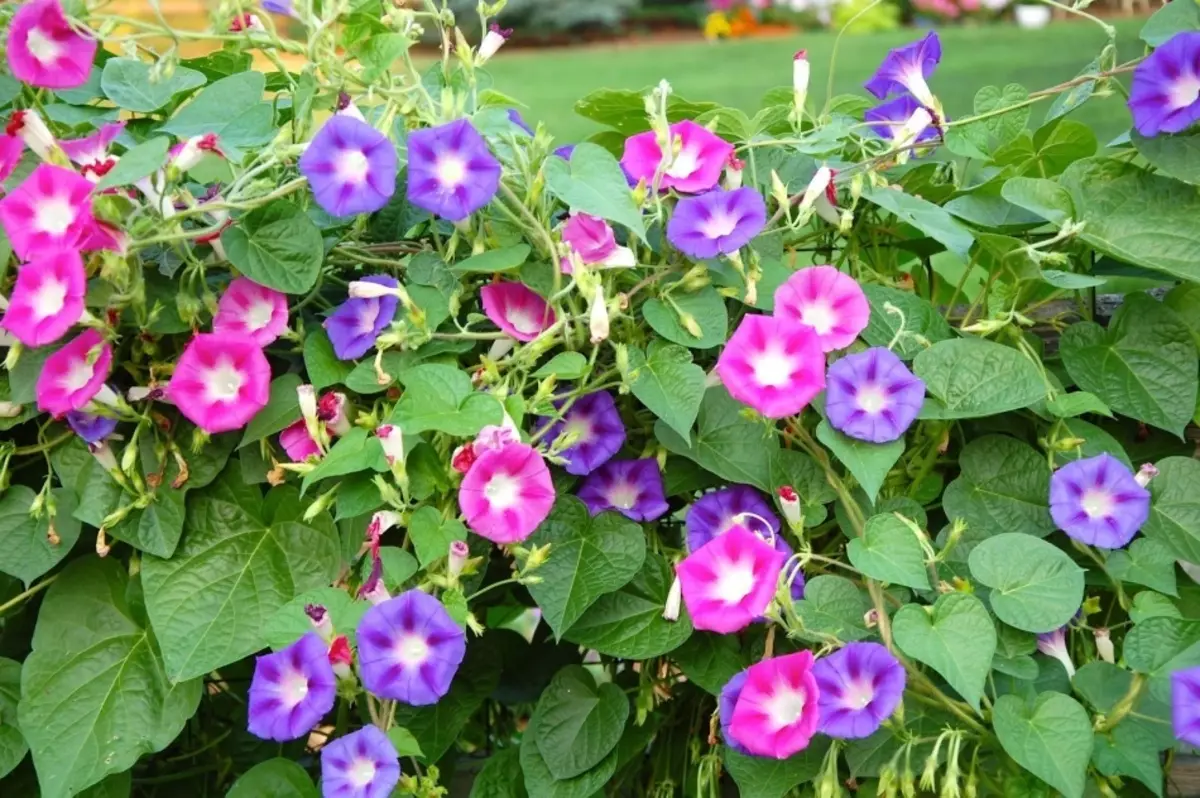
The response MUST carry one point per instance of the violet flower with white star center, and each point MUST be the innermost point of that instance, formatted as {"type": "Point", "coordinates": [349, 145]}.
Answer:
{"type": "Point", "coordinates": [872, 396]}
{"type": "Point", "coordinates": [717, 222]}
{"type": "Point", "coordinates": [363, 764]}
{"type": "Point", "coordinates": [633, 488]}
{"type": "Point", "coordinates": [1098, 501]}
{"type": "Point", "coordinates": [887, 120]}
{"type": "Point", "coordinates": [356, 323]}
{"type": "Point", "coordinates": [716, 513]}
{"type": "Point", "coordinates": [451, 171]}
{"type": "Point", "coordinates": [351, 167]}
{"type": "Point", "coordinates": [291, 690]}
{"type": "Point", "coordinates": [597, 430]}
{"type": "Point", "coordinates": [1165, 93]}
{"type": "Point", "coordinates": [409, 649]}
{"type": "Point", "coordinates": [859, 687]}
{"type": "Point", "coordinates": [907, 68]}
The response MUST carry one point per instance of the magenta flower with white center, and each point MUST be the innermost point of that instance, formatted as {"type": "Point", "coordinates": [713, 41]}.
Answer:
{"type": "Point", "coordinates": [291, 690]}
{"type": "Point", "coordinates": [451, 171]}
{"type": "Point", "coordinates": [351, 167]}
{"type": "Point", "coordinates": [777, 710]}
{"type": "Point", "coordinates": [516, 309]}
{"type": "Point", "coordinates": [1098, 501]}
{"type": "Point", "coordinates": [102, 236]}
{"type": "Point", "coordinates": [409, 649]}
{"type": "Point", "coordinates": [1165, 94]}
{"type": "Point", "coordinates": [356, 323]}
{"type": "Point", "coordinates": [221, 381]}
{"type": "Point", "coordinates": [249, 309]}
{"type": "Point", "coordinates": [73, 375]}
{"type": "Point", "coordinates": [47, 213]}
{"type": "Point", "coordinates": [634, 488]}
{"type": "Point", "coordinates": [729, 581]}
{"type": "Point", "coordinates": [593, 241]}
{"type": "Point", "coordinates": [859, 687]}
{"type": "Point", "coordinates": [47, 298]}
{"type": "Point", "coordinates": [1054, 644]}
{"type": "Point", "coordinates": [596, 427]}
{"type": "Point", "coordinates": [93, 150]}
{"type": "Point", "coordinates": [506, 493]}
{"type": "Point", "coordinates": [45, 51]}
{"type": "Point", "coordinates": [700, 157]}
{"type": "Point", "coordinates": [717, 223]}
{"type": "Point", "coordinates": [363, 764]}
{"type": "Point", "coordinates": [907, 68]}
{"type": "Point", "coordinates": [1185, 705]}
{"type": "Point", "coordinates": [298, 443]}
{"type": "Point", "coordinates": [774, 365]}
{"type": "Point", "coordinates": [872, 396]}
{"type": "Point", "coordinates": [828, 301]}
{"type": "Point", "coordinates": [11, 149]}
{"type": "Point", "coordinates": [718, 512]}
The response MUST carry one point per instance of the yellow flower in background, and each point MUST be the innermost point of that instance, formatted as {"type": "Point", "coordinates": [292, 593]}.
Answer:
{"type": "Point", "coordinates": [716, 26]}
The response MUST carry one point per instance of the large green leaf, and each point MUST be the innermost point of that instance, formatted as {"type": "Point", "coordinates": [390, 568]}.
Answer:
{"type": "Point", "coordinates": [128, 83]}
{"type": "Point", "coordinates": [1160, 645]}
{"type": "Point", "coordinates": [28, 551]}
{"type": "Point", "coordinates": [1175, 156]}
{"type": "Point", "coordinates": [283, 409]}
{"type": "Point", "coordinates": [834, 606]}
{"type": "Point", "coordinates": [1169, 20]}
{"type": "Point", "coordinates": [540, 782]}
{"type": "Point", "coordinates": [1175, 507]}
{"type": "Point", "coordinates": [1003, 126]}
{"type": "Point", "coordinates": [1050, 737]}
{"type": "Point", "coordinates": [233, 108]}
{"type": "Point", "coordinates": [578, 723]}
{"type": "Point", "coordinates": [890, 552]}
{"type": "Point", "coordinates": [589, 558]}
{"type": "Point", "coordinates": [932, 220]}
{"type": "Point", "coordinates": [431, 535]}
{"type": "Point", "coordinates": [275, 778]}
{"type": "Point", "coordinates": [141, 161]}
{"type": "Point", "coordinates": [762, 777]}
{"type": "Point", "coordinates": [625, 110]}
{"type": "Point", "coordinates": [1142, 366]}
{"type": "Point", "coordinates": [1004, 486]}
{"type": "Point", "coordinates": [1035, 585]}
{"type": "Point", "coordinates": [12, 744]}
{"type": "Point", "coordinates": [501, 776]}
{"type": "Point", "coordinates": [356, 451]}
{"type": "Point", "coordinates": [594, 183]}
{"type": "Point", "coordinates": [1148, 562]}
{"type": "Point", "coordinates": [955, 637]}
{"type": "Point", "coordinates": [973, 377]}
{"type": "Point", "coordinates": [323, 366]}
{"type": "Point", "coordinates": [726, 442]}
{"type": "Point", "coordinates": [94, 691]}
{"type": "Point", "coordinates": [441, 398]}
{"type": "Point", "coordinates": [710, 660]}
{"type": "Point", "coordinates": [668, 383]}
{"type": "Point", "coordinates": [706, 307]}
{"type": "Point", "coordinates": [917, 315]}
{"type": "Point", "coordinates": [210, 603]}
{"type": "Point", "coordinates": [278, 246]}
{"type": "Point", "coordinates": [868, 462]}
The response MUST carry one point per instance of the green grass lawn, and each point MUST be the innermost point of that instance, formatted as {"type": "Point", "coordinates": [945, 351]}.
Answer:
{"type": "Point", "coordinates": [738, 73]}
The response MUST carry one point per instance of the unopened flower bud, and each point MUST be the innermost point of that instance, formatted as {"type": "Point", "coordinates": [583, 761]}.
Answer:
{"type": "Point", "coordinates": [493, 40]}
{"type": "Point", "coordinates": [674, 599]}
{"type": "Point", "coordinates": [392, 440]}
{"type": "Point", "coordinates": [800, 78]}
{"type": "Point", "coordinates": [734, 168]}
{"type": "Point", "coordinates": [373, 590]}
{"type": "Point", "coordinates": [598, 317]}
{"type": "Point", "coordinates": [779, 190]}
{"type": "Point", "coordinates": [689, 323]}
{"type": "Point", "coordinates": [1104, 645]}
{"type": "Point", "coordinates": [194, 149]}
{"type": "Point", "coordinates": [104, 456]}
{"type": "Point", "coordinates": [871, 618]}
{"type": "Point", "coordinates": [323, 503]}
{"type": "Point", "coordinates": [365, 289]}
{"type": "Point", "coordinates": [340, 657]}
{"type": "Point", "coordinates": [501, 347]}
{"type": "Point", "coordinates": [463, 458]}
{"type": "Point", "coordinates": [307, 396]}
{"type": "Point", "coordinates": [816, 188]}
{"type": "Point", "coordinates": [1146, 473]}
{"type": "Point", "coordinates": [1054, 644]}
{"type": "Point", "coordinates": [102, 545]}
{"type": "Point", "coordinates": [32, 130]}
{"type": "Point", "coordinates": [10, 409]}
{"type": "Point", "coordinates": [321, 622]}
{"type": "Point", "coordinates": [789, 502]}
{"type": "Point", "coordinates": [457, 560]}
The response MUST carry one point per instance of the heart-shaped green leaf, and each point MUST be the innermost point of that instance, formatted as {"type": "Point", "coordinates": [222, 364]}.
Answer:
{"type": "Point", "coordinates": [1004, 486]}
{"type": "Point", "coordinates": [28, 549]}
{"type": "Point", "coordinates": [668, 383]}
{"type": "Point", "coordinates": [1175, 508]}
{"type": "Point", "coordinates": [955, 637]}
{"type": "Point", "coordinates": [577, 723]}
{"type": "Point", "coordinates": [890, 552]}
{"type": "Point", "coordinates": [1050, 737]}
{"type": "Point", "coordinates": [1035, 585]}
{"type": "Point", "coordinates": [868, 462]}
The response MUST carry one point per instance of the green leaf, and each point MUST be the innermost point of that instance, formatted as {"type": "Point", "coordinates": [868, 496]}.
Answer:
{"type": "Point", "coordinates": [1175, 507]}
{"type": "Point", "coordinates": [282, 409]}
{"type": "Point", "coordinates": [710, 660]}
{"type": "Point", "coordinates": [889, 552]}
{"type": "Point", "coordinates": [441, 398]}
{"type": "Point", "coordinates": [275, 778]}
{"type": "Point", "coordinates": [323, 366]}
{"type": "Point", "coordinates": [726, 443]}
{"type": "Point", "coordinates": [629, 623]}
{"type": "Point", "coordinates": [593, 183]}
{"type": "Point", "coordinates": [1129, 750]}
{"type": "Point", "coordinates": [12, 744]}
{"type": "Point", "coordinates": [1035, 585]}
{"type": "Point", "coordinates": [501, 776]}
{"type": "Point", "coordinates": [141, 161]}
{"type": "Point", "coordinates": [28, 552]}
{"type": "Point", "coordinates": [930, 219]}
{"type": "Point", "coordinates": [432, 535]}
{"type": "Point", "coordinates": [1076, 96]}
{"type": "Point", "coordinates": [233, 108]}
{"type": "Point", "coordinates": [357, 450]}
{"type": "Point", "coordinates": [233, 572]}
{"type": "Point", "coordinates": [706, 306]}
{"type": "Point", "coordinates": [1004, 486]}
{"type": "Point", "coordinates": [1044, 197]}
{"type": "Point", "coordinates": [1070, 405]}
{"type": "Point", "coordinates": [834, 606]}
{"type": "Point", "coordinates": [496, 261]}
{"type": "Point", "coordinates": [564, 365]}
{"type": "Point", "coordinates": [577, 723]}
{"type": "Point", "coordinates": [94, 692]}
{"type": "Point", "coordinates": [278, 246]}
{"type": "Point", "coordinates": [869, 463]}
{"type": "Point", "coordinates": [955, 637]}
{"type": "Point", "coordinates": [1050, 737]}
{"type": "Point", "coordinates": [1169, 20]}
{"type": "Point", "coordinates": [920, 318]}
{"type": "Point", "coordinates": [1147, 562]}
{"type": "Point", "coordinates": [398, 567]}
{"type": "Point", "coordinates": [1175, 156]}
{"type": "Point", "coordinates": [762, 777]}
{"type": "Point", "coordinates": [1070, 280]}
{"type": "Point", "coordinates": [128, 83]}
{"type": "Point", "coordinates": [540, 782]}
{"type": "Point", "coordinates": [973, 377]}
{"type": "Point", "coordinates": [119, 785]}
{"type": "Point", "coordinates": [1006, 126]}
{"type": "Point", "coordinates": [1160, 645]}
{"type": "Point", "coordinates": [590, 557]}
{"type": "Point", "coordinates": [668, 383]}
{"type": "Point", "coordinates": [379, 52]}
{"type": "Point", "coordinates": [625, 110]}
{"type": "Point", "coordinates": [404, 742]}
{"type": "Point", "coordinates": [290, 623]}
{"type": "Point", "coordinates": [1142, 366]}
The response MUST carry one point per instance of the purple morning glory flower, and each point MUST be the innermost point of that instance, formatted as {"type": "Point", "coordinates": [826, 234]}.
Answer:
{"type": "Point", "coordinates": [725, 705]}
{"type": "Point", "coordinates": [91, 428]}
{"type": "Point", "coordinates": [291, 690]}
{"type": "Point", "coordinates": [859, 686]}
{"type": "Point", "coordinates": [717, 222]}
{"type": "Point", "coordinates": [409, 649]}
{"type": "Point", "coordinates": [717, 512]}
{"type": "Point", "coordinates": [451, 171]}
{"type": "Point", "coordinates": [565, 152]}
{"type": "Point", "coordinates": [1098, 501]}
{"type": "Point", "coordinates": [1165, 94]}
{"type": "Point", "coordinates": [872, 396]}
{"type": "Point", "coordinates": [362, 764]}
{"type": "Point", "coordinates": [356, 323]}
{"type": "Point", "coordinates": [906, 69]}
{"type": "Point", "coordinates": [279, 7]}
{"type": "Point", "coordinates": [889, 117]}
{"type": "Point", "coordinates": [351, 167]}
{"type": "Point", "coordinates": [1054, 644]}
{"type": "Point", "coordinates": [598, 430]}
{"type": "Point", "coordinates": [1185, 705]}
{"type": "Point", "coordinates": [515, 117]}
{"type": "Point", "coordinates": [633, 488]}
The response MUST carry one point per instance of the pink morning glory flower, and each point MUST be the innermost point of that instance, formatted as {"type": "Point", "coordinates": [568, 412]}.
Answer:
{"type": "Point", "coordinates": [718, 222]}
{"type": "Point", "coordinates": [291, 690]}
{"type": "Point", "coordinates": [1165, 94]}
{"type": "Point", "coordinates": [516, 309]}
{"type": "Point", "coordinates": [247, 308]}
{"type": "Point", "coordinates": [597, 430]}
{"type": "Point", "coordinates": [220, 381]}
{"type": "Point", "coordinates": [1098, 501]}
{"type": "Point", "coordinates": [298, 443]}
{"type": "Point", "coordinates": [907, 68]}
{"type": "Point", "coordinates": [47, 298]}
{"type": "Point", "coordinates": [363, 764]}
{"type": "Point", "coordinates": [451, 171]}
{"type": "Point", "coordinates": [634, 488]}
{"type": "Point", "coordinates": [777, 710]}
{"type": "Point", "coordinates": [45, 51]}
{"type": "Point", "coordinates": [700, 157]}
{"type": "Point", "coordinates": [11, 149]}
{"type": "Point", "coordinates": [506, 493]}
{"type": "Point", "coordinates": [859, 687]}
{"type": "Point", "coordinates": [409, 649]}
{"type": "Point", "coordinates": [728, 583]}
{"type": "Point", "coordinates": [92, 151]}
{"type": "Point", "coordinates": [774, 365]}
{"type": "Point", "coordinates": [1185, 705]}
{"type": "Point", "coordinates": [75, 374]}
{"type": "Point", "coordinates": [593, 240]}
{"type": "Point", "coordinates": [47, 213]}
{"type": "Point", "coordinates": [351, 167]}
{"type": "Point", "coordinates": [872, 396]}
{"type": "Point", "coordinates": [828, 301]}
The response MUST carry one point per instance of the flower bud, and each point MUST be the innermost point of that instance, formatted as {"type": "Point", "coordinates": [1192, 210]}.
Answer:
{"type": "Point", "coordinates": [104, 456]}
{"type": "Point", "coordinates": [392, 440]}
{"type": "Point", "coordinates": [321, 622]}
{"type": "Point", "coordinates": [871, 618]}
{"type": "Point", "coordinates": [340, 657]}
{"type": "Point", "coordinates": [1054, 644]}
{"type": "Point", "coordinates": [674, 599]}
{"type": "Point", "coordinates": [463, 458]}
{"type": "Point", "coordinates": [779, 191]}
{"type": "Point", "coordinates": [373, 590]}
{"type": "Point", "coordinates": [193, 150]}
{"type": "Point", "coordinates": [789, 502]}
{"type": "Point", "coordinates": [1146, 473]}
{"type": "Point", "coordinates": [364, 289]}
{"type": "Point", "coordinates": [493, 40]}
{"type": "Point", "coordinates": [733, 172]}
{"type": "Point", "coordinates": [1104, 645]}
{"type": "Point", "coordinates": [323, 503]}
{"type": "Point", "coordinates": [102, 545]}
{"type": "Point", "coordinates": [816, 188]}
{"type": "Point", "coordinates": [32, 130]}
{"type": "Point", "coordinates": [10, 410]}
{"type": "Point", "coordinates": [501, 347]}
{"type": "Point", "coordinates": [598, 317]}
{"type": "Point", "coordinates": [459, 553]}
{"type": "Point", "coordinates": [331, 409]}
{"type": "Point", "coordinates": [800, 78]}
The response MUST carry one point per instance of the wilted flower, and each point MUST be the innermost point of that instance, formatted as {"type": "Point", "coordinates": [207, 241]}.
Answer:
{"type": "Point", "coordinates": [91, 428]}
{"type": "Point", "coordinates": [363, 764]}
{"type": "Point", "coordinates": [48, 213]}
{"type": "Point", "coordinates": [593, 240]}
{"type": "Point", "coordinates": [507, 493]}
{"type": "Point", "coordinates": [247, 308]}
{"type": "Point", "coordinates": [351, 167]}
{"type": "Point", "coordinates": [451, 171]}
{"type": "Point", "coordinates": [828, 301]}
{"type": "Point", "coordinates": [409, 649]}
{"type": "Point", "coordinates": [595, 426]}
{"type": "Point", "coordinates": [718, 512]}
{"type": "Point", "coordinates": [356, 323]}
{"type": "Point", "coordinates": [633, 488]}
{"type": "Point", "coordinates": [1165, 94]}
{"type": "Point", "coordinates": [773, 365]}
{"type": "Point", "coordinates": [889, 118]}
{"type": "Point", "coordinates": [47, 298]}
{"type": "Point", "coordinates": [1185, 705]}
{"type": "Point", "coordinates": [872, 396]}
{"type": "Point", "coordinates": [728, 582]}
{"type": "Point", "coordinates": [45, 51]}
{"type": "Point", "coordinates": [73, 375]}
{"type": "Point", "coordinates": [516, 309]}
{"type": "Point", "coordinates": [696, 165]}
{"type": "Point", "coordinates": [292, 690]}
{"type": "Point", "coordinates": [1054, 644]}
{"type": "Point", "coordinates": [1098, 501]}
{"type": "Point", "coordinates": [717, 223]}
{"type": "Point", "coordinates": [860, 686]}
{"type": "Point", "coordinates": [907, 68]}
{"type": "Point", "coordinates": [776, 711]}
{"type": "Point", "coordinates": [220, 381]}
{"type": "Point", "coordinates": [91, 152]}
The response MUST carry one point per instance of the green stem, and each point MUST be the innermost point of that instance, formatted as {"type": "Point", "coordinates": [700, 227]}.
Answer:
{"type": "Point", "coordinates": [28, 594]}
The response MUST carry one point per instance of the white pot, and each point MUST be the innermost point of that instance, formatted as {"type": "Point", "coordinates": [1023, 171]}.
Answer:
{"type": "Point", "coordinates": [1032, 16]}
